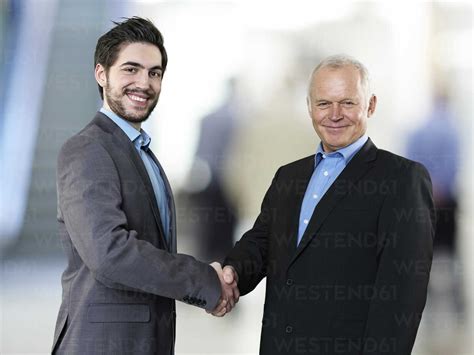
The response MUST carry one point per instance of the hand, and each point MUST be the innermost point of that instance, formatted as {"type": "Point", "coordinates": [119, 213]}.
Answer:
{"type": "Point", "coordinates": [221, 308]}
{"type": "Point", "coordinates": [231, 278]}
{"type": "Point", "coordinates": [229, 289]}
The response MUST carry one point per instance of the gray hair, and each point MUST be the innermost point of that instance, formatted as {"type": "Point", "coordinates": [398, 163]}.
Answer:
{"type": "Point", "coordinates": [341, 60]}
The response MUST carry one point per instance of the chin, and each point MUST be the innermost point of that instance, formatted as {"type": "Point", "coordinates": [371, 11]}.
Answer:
{"type": "Point", "coordinates": [138, 116]}
{"type": "Point", "coordinates": [137, 119]}
{"type": "Point", "coordinates": [336, 145]}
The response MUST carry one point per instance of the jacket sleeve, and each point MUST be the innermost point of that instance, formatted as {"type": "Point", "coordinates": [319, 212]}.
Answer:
{"type": "Point", "coordinates": [406, 232]}
{"type": "Point", "coordinates": [249, 256]}
{"type": "Point", "coordinates": [89, 202]}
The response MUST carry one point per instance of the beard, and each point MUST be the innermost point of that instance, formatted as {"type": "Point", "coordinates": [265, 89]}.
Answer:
{"type": "Point", "coordinates": [117, 105]}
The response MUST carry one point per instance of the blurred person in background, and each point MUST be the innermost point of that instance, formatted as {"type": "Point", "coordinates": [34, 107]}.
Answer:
{"type": "Point", "coordinates": [435, 144]}
{"type": "Point", "coordinates": [213, 214]}
{"type": "Point", "coordinates": [117, 217]}
{"type": "Point", "coordinates": [344, 237]}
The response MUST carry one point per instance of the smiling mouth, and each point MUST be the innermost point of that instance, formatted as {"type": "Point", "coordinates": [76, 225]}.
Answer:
{"type": "Point", "coordinates": [335, 128]}
{"type": "Point", "coordinates": [137, 100]}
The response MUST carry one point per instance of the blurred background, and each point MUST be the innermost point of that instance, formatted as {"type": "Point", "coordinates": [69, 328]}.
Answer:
{"type": "Point", "coordinates": [232, 110]}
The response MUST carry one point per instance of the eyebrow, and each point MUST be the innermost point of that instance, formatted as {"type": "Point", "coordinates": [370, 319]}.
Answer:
{"type": "Point", "coordinates": [320, 101]}
{"type": "Point", "coordinates": [135, 64]}
{"type": "Point", "coordinates": [327, 100]}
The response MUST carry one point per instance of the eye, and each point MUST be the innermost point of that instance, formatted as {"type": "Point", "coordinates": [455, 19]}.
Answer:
{"type": "Point", "coordinates": [348, 103]}
{"type": "Point", "coordinates": [322, 104]}
{"type": "Point", "coordinates": [156, 74]}
{"type": "Point", "coordinates": [130, 69]}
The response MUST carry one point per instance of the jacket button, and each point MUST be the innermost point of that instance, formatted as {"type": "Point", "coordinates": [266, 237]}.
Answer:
{"type": "Point", "coordinates": [289, 282]}
{"type": "Point", "coordinates": [204, 303]}
{"type": "Point", "coordinates": [289, 329]}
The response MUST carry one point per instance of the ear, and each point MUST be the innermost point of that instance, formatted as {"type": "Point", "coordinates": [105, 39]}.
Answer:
{"type": "Point", "coordinates": [372, 105]}
{"type": "Point", "coordinates": [308, 104]}
{"type": "Point", "coordinates": [100, 75]}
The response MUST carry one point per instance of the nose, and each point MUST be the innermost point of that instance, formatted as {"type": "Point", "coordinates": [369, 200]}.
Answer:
{"type": "Point", "coordinates": [336, 113]}
{"type": "Point", "coordinates": [143, 80]}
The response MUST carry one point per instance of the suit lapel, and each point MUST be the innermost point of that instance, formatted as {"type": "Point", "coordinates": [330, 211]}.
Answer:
{"type": "Point", "coordinates": [357, 167]}
{"type": "Point", "coordinates": [123, 143]}
{"type": "Point", "coordinates": [172, 242]}
{"type": "Point", "coordinates": [303, 176]}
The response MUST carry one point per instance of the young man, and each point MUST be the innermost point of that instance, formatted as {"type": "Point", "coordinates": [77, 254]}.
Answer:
{"type": "Point", "coordinates": [117, 218]}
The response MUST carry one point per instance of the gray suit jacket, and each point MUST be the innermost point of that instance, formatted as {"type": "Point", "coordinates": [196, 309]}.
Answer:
{"type": "Point", "coordinates": [122, 276]}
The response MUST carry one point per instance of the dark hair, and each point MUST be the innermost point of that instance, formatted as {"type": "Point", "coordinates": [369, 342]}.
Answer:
{"type": "Point", "coordinates": [131, 30]}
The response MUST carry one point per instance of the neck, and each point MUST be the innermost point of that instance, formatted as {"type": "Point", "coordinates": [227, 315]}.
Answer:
{"type": "Point", "coordinates": [136, 125]}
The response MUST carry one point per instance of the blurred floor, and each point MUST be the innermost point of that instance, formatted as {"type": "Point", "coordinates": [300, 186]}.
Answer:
{"type": "Point", "coordinates": [31, 296]}
{"type": "Point", "coordinates": [30, 299]}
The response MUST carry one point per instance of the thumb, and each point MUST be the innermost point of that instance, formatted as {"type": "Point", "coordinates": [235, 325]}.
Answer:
{"type": "Point", "coordinates": [228, 275]}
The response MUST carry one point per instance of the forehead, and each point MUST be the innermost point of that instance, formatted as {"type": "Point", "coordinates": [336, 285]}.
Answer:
{"type": "Point", "coordinates": [145, 54]}
{"type": "Point", "coordinates": [336, 79]}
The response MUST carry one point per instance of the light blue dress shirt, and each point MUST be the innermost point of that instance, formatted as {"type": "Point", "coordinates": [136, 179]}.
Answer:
{"type": "Point", "coordinates": [327, 167]}
{"type": "Point", "coordinates": [141, 140]}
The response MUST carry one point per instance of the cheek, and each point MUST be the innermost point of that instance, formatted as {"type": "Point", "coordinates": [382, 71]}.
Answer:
{"type": "Point", "coordinates": [360, 123]}
{"type": "Point", "coordinates": [357, 117]}
{"type": "Point", "coordinates": [157, 87]}
{"type": "Point", "coordinates": [316, 121]}
{"type": "Point", "coordinates": [122, 82]}
{"type": "Point", "coordinates": [316, 117]}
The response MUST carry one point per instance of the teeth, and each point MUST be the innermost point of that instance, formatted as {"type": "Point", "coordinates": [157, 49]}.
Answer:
{"type": "Point", "coordinates": [137, 98]}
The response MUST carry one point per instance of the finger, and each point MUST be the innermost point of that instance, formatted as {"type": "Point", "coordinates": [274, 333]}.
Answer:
{"type": "Point", "coordinates": [228, 275]}
{"type": "Point", "coordinates": [231, 303]}
{"type": "Point", "coordinates": [221, 305]}
{"type": "Point", "coordinates": [220, 313]}
{"type": "Point", "coordinates": [236, 294]}
{"type": "Point", "coordinates": [229, 293]}
{"type": "Point", "coordinates": [228, 308]}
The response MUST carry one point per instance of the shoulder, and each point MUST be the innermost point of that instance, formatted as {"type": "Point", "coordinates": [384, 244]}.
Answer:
{"type": "Point", "coordinates": [297, 166]}
{"type": "Point", "coordinates": [399, 166]}
{"type": "Point", "coordinates": [85, 145]}
{"type": "Point", "coordinates": [409, 178]}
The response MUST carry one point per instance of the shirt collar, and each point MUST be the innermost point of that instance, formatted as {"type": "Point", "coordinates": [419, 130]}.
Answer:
{"type": "Point", "coordinates": [140, 138]}
{"type": "Point", "coordinates": [347, 152]}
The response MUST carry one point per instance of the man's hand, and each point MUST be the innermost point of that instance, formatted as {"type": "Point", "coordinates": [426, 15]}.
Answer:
{"type": "Point", "coordinates": [231, 278]}
{"type": "Point", "coordinates": [229, 290]}
{"type": "Point", "coordinates": [221, 307]}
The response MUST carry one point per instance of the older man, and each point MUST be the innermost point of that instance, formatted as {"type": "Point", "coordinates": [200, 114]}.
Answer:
{"type": "Point", "coordinates": [344, 237]}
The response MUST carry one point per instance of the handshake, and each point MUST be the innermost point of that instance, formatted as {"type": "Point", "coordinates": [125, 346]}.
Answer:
{"type": "Point", "coordinates": [230, 292]}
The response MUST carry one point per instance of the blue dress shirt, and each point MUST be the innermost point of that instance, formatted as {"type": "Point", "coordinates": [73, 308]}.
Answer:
{"type": "Point", "coordinates": [141, 140]}
{"type": "Point", "coordinates": [327, 167]}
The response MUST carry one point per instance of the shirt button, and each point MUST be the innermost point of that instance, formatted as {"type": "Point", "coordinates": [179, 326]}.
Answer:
{"type": "Point", "coordinates": [289, 282]}
{"type": "Point", "coordinates": [326, 173]}
{"type": "Point", "coordinates": [289, 329]}
{"type": "Point", "coordinates": [324, 155]}
{"type": "Point", "coordinates": [305, 221]}
{"type": "Point", "coordinates": [315, 196]}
